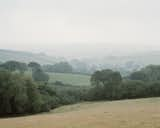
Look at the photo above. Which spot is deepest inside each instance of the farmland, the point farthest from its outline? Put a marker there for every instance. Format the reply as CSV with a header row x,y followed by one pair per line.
x,y
68,78
141,113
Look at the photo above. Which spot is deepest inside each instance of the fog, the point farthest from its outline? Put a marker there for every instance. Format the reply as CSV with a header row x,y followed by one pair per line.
x,y
84,28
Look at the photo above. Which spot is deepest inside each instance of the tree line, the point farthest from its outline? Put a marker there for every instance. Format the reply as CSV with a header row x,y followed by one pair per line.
x,y
61,67
20,94
109,85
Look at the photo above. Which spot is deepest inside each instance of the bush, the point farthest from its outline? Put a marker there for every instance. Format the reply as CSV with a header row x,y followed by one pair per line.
x,y
20,95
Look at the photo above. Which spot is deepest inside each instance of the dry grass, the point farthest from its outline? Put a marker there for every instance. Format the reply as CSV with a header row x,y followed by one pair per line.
x,y
143,113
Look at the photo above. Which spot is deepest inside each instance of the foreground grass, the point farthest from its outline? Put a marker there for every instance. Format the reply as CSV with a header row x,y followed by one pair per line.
x,y
68,78
141,113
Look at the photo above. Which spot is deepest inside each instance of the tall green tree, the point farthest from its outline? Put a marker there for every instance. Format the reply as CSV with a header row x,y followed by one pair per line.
x,y
106,83
105,77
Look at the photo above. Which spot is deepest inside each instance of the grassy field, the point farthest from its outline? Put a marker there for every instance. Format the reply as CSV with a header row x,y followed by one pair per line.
x,y
142,113
73,79
67,78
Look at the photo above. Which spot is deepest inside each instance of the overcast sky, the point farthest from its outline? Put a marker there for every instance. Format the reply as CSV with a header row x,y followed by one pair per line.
x,y
79,27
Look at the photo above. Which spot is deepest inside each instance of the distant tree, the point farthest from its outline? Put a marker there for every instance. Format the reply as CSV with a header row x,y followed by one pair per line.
x,y
62,67
153,72
37,73
80,67
34,65
149,73
40,76
105,84
106,77
48,68
14,65
139,75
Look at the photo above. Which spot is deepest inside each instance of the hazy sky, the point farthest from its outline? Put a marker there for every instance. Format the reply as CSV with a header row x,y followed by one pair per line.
x,y
79,27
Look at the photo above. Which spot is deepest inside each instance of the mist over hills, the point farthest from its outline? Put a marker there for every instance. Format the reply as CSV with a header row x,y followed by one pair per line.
x,y
123,63
42,58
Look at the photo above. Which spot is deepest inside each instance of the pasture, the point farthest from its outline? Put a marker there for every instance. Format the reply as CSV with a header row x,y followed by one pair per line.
x,y
141,113
68,78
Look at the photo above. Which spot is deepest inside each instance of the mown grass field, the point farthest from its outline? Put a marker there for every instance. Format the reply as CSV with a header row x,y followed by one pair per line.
x,y
141,113
68,78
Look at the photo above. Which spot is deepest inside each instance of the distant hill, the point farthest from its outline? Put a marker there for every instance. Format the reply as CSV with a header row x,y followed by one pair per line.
x,y
124,63
6,55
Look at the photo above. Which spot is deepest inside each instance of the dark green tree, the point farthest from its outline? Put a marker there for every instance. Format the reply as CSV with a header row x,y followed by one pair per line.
x,y
149,73
106,83
14,65
139,75
106,77
34,65
40,76
61,67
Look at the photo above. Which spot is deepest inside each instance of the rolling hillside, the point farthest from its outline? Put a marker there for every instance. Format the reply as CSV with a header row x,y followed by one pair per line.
x,y
41,58
123,63
141,113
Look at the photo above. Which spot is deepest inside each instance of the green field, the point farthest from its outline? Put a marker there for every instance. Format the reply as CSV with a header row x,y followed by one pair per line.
x,y
68,78
140,113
